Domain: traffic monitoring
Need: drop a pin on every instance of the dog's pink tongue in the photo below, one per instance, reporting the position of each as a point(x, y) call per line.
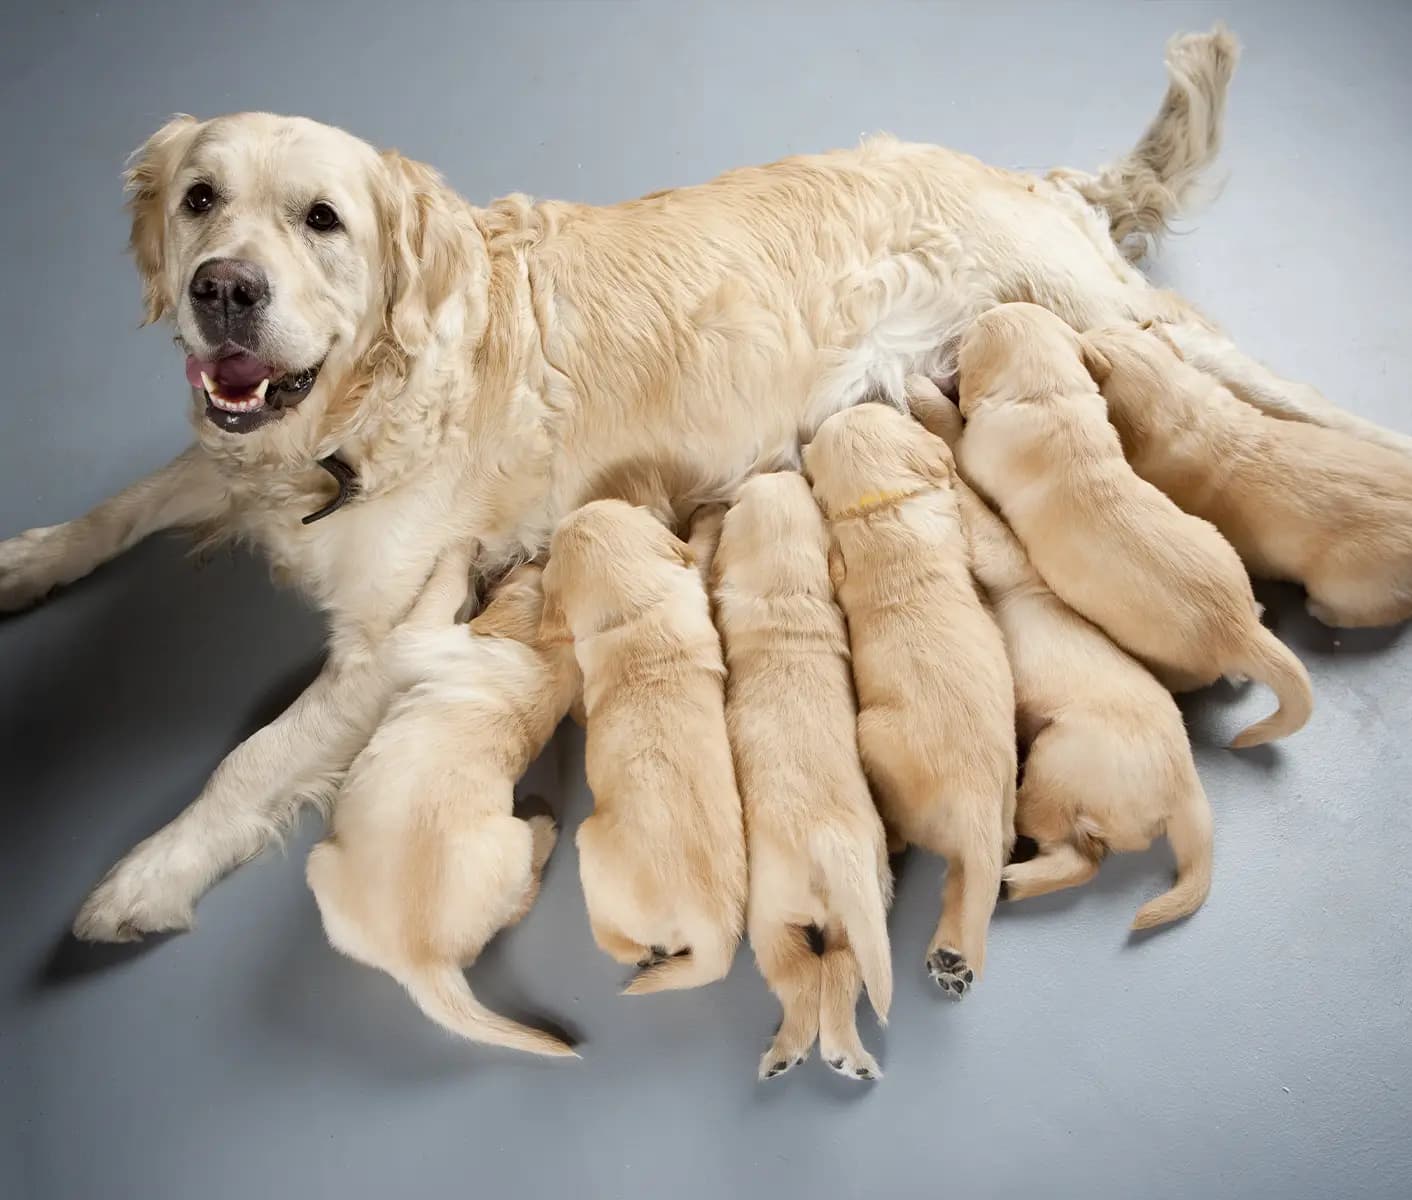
point(235, 375)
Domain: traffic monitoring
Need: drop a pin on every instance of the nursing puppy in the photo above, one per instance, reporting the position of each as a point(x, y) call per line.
point(818, 857)
point(1298, 502)
point(936, 705)
point(425, 861)
point(1109, 765)
point(662, 858)
point(1161, 583)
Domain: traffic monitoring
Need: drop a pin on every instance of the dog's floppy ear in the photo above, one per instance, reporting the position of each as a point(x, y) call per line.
point(149, 173)
point(427, 234)
point(684, 553)
point(1098, 365)
point(929, 456)
point(553, 624)
point(838, 571)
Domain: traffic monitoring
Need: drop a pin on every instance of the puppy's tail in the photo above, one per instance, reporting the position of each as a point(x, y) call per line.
point(1271, 662)
point(1148, 186)
point(441, 991)
point(860, 896)
point(1189, 833)
point(708, 960)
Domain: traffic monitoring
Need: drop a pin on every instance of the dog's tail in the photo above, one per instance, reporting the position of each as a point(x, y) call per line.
point(1189, 834)
point(860, 898)
point(1148, 186)
point(708, 960)
point(441, 991)
point(1271, 662)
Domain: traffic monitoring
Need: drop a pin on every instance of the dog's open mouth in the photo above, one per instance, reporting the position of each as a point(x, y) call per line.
point(243, 392)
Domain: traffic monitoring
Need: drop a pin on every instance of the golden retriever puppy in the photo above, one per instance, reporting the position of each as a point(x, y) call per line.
point(1298, 502)
point(936, 705)
point(818, 857)
point(662, 858)
point(1161, 583)
point(425, 861)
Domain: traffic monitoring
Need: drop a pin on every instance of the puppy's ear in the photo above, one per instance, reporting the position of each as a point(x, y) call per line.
point(1096, 362)
point(930, 457)
point(684, 553)
point(427, 237)
point(838, 571)
point(553, 624)
point(148, 175)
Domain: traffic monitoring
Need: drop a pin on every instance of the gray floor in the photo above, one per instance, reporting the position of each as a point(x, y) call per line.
point(1262, 1049)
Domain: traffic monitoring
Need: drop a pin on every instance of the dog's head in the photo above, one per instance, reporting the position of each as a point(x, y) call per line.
point(610, 561)
point(1023, 352)
point(774, 541)
point(304, 271)
point(871, 456)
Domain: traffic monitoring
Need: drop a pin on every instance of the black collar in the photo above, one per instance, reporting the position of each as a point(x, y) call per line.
point(347, 481)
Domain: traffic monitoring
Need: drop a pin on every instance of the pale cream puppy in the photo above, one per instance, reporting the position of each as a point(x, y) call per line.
point(662, 858)
point(425, 861)
point(1161, 583)
point(1300, 502)
point(1109, 764)
point(818, 857)
point(936, 705)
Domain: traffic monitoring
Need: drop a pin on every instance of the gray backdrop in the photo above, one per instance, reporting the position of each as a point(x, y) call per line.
point(1261, 1049)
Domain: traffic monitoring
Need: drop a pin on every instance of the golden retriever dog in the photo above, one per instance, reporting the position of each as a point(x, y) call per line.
point(1108, 763)
point(1317, 506)
point(425, 861)
point(818, 857)
point(1164, 585)
point(936, 704)
point(378, 370)
point(662, 858)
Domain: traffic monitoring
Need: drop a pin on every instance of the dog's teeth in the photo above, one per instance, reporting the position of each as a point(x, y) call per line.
point(209, 384)
point(262, 389)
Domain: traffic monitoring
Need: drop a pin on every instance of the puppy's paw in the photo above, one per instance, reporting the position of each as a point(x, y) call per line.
point(776, 1062)
point(30, 567)
point(950, 973)
point(857, 1064)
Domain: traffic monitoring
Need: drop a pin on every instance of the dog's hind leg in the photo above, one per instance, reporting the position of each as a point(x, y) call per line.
point(1058, 865)
point(545, 833)
point(840, 985)
point(792, 970)
point(974, 860)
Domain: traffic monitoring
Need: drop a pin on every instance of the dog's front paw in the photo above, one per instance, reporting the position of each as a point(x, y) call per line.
point(28, 567)
point(137, 897)
point(949, 972)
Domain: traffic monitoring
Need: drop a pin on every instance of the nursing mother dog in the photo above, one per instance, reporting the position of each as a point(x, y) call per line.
point(378, 370)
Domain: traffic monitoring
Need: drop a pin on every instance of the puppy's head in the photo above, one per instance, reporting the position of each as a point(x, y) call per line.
point(1130, 365)
point(515, 608)
point(609, 562)
point(871, 456)
point(1020, 352)
point(774, 541)
point(303, 270)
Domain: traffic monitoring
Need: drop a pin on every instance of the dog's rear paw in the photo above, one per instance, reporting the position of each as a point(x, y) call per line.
point(859, 1065)
point(776, 1063)
point(949, 972)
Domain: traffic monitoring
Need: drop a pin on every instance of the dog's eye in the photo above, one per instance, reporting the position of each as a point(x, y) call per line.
point(200, 197)
point(321, 217)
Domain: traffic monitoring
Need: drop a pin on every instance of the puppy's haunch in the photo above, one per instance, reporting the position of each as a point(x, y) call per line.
point(816, 847)
point(1163, 584)
point(1299, 502)
point(936, 705)
point(425, 862)
point(662, 858)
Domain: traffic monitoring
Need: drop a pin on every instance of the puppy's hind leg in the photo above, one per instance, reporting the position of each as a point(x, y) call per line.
point(545, 833)
point(1058, 865)
point(957, 953)
point(840, 985)
point(791, 969)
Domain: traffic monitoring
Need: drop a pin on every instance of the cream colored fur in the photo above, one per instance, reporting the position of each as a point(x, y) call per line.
point(818, 857)
point(662, 858)
point(425, 861)
point(1297, 502)
point(936, 704)
point(486, 366)
point(1162, 584)
point(1108, 765)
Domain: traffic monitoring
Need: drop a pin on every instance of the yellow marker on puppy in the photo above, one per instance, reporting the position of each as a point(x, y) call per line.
point(1299, 502)
point(662, 858)
point(817, 852)
point(936, 706)
point(425, 862)
point(1163, 584)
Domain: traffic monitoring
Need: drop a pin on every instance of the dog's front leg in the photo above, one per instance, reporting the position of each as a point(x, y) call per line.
point(249, 801)
point(187, 491)
point(1212, 353)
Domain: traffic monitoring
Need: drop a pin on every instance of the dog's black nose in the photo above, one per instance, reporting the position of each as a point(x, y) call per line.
point(225, 294)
